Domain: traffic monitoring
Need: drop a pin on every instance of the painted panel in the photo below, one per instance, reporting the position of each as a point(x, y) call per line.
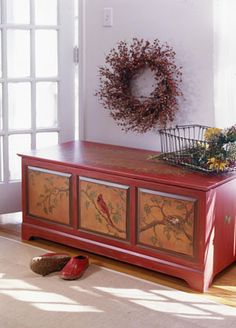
point(166, 221)
point(103, 207)
point(49, 195)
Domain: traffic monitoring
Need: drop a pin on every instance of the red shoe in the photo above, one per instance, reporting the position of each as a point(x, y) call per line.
point(48, 263)
point(75, 268)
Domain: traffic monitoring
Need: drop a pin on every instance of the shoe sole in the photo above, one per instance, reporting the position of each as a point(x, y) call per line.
point(46, 265)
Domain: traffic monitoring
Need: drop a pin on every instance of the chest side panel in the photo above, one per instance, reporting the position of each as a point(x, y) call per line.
point(166, 221)
point(48, 195)
point(103, 207)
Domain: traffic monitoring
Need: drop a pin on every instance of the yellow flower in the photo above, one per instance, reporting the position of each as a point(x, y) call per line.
point(212, 133)
point(217, 164)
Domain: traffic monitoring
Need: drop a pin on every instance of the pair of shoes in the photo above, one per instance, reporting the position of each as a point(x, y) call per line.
point(49, 262)
point(71, 267)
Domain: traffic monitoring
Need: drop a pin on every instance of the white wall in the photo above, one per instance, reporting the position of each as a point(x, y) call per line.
point(224, 62)
point(186, 25)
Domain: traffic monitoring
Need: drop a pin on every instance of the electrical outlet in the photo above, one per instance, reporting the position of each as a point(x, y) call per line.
point(107, 17)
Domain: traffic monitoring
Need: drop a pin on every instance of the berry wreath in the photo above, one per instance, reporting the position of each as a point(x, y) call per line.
point(123, 64)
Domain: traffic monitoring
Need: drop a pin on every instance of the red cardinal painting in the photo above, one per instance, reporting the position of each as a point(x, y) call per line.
point(104, 208)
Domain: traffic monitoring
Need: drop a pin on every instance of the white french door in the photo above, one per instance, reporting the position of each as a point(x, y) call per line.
point(37, 74)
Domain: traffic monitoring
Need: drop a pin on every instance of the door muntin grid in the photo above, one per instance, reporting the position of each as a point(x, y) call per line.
point(33, 34)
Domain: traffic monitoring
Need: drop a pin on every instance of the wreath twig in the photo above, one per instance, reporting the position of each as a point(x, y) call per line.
point(124, 64)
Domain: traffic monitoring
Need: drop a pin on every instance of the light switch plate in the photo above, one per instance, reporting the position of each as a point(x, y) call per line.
point(107, 17)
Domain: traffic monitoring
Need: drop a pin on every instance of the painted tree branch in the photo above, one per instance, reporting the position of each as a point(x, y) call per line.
point(174, 223)
point(48, 202)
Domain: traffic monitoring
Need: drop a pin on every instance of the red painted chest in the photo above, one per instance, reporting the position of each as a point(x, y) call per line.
point(114, 201)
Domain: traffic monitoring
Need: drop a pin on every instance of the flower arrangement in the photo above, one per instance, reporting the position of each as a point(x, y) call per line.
point(199, 147)
point(220, 153)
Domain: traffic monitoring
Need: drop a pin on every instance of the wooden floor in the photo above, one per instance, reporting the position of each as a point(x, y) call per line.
point(223, 289)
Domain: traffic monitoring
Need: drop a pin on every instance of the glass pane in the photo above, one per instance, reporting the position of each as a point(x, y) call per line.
point(1, 106)
point(46, 139)
point(18, 143)
point(0, 52)
point(46, 12)
point(18, 11)
point(19, 104)
point(1, 159)
point(76, 26)
point(18, 53)
point(46, 104)
point(46, 53)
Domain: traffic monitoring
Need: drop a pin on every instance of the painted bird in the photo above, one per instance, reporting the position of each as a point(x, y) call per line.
point(104, 208)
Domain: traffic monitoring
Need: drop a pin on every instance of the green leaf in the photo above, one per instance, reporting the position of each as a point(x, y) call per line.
point(168, 236)
point(147, 209)
point(180, 207)
point(153, 240)
point(116, 217)
point(87, 204)
point(98, 218)
point(92, 194)
point(156, 200)
point(167, 202)
point(109, 205)
point(88, 186)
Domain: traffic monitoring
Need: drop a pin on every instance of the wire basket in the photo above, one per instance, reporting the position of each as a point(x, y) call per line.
point(185, 145)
